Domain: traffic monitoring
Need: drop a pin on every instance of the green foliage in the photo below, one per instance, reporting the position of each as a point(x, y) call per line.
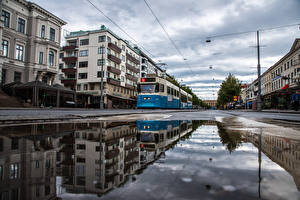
point(195, 99)
point(230, 87)
point(231, 140)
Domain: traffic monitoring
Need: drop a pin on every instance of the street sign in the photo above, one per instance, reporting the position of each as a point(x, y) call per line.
point(235, 98)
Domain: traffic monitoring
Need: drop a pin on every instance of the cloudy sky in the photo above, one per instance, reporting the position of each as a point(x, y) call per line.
point(203, 66)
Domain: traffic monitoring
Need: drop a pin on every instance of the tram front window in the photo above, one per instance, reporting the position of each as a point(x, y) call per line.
point(147, 88)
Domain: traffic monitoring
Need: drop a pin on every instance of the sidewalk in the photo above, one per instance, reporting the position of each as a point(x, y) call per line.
point(273, 111)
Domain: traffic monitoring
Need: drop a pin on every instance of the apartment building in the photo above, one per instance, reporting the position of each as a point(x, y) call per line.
point(280, 81)
point(148, 66)
point(99, 157)
point(88, 55)
point(30, 42)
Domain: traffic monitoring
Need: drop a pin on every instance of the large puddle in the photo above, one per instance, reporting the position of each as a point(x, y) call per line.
point(146, 160)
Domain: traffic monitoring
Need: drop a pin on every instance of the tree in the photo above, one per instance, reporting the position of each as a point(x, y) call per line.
point(230, 87)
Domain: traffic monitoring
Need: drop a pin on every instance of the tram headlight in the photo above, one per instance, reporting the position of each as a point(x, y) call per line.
point(145, 98)
point(148, 98)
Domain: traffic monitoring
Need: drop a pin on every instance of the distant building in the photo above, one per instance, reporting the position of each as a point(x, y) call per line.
point(30, 42)
point(211, 103)
point(82, 59)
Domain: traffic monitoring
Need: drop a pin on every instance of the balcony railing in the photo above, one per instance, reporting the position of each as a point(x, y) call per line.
point(132, 59)
point(112, 153)
point(68, 80)
point(70, 47)
point(132, 68)
point(113, 81)
point(69, 59)
point(114, 70)
point(69, 70)
point(130, 77)
point(114, 47)
point(129, 86)
point(114, 58)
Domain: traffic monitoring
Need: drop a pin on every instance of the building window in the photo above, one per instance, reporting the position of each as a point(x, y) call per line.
point(1, 172)
point(14, 171)
point(41, 58)
point(19, 52)
point(17, 76)
point(5, 48)
point(123, 47)
point(78, 87)
point(82, 76)
point(51, 58)
point(43, 31)
point(61, 55)
point(37, 164)
point(101, 50)
point(37, 190)
point(85, 87)
point(83, 53)
point(6, 16)
point(108, 39)
point(123, 58)
point(84, 42)
point(21, 25)
point(100, 62)
point(83, 64)
point(99, 74)
point(101, 38)
point(52, 34)
point(61, 65)
point(92, 86)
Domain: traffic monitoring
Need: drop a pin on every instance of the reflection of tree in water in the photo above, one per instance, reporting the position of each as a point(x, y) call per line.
point(232, 140)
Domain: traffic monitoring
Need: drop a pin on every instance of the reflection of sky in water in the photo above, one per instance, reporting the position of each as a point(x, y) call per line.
point(202, 168)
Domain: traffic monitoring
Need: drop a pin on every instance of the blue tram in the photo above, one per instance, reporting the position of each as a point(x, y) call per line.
point(157, 92)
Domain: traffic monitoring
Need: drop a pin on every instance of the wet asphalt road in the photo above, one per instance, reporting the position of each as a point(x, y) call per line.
point(173, 114)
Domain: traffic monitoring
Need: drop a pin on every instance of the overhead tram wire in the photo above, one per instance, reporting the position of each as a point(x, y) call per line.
point(113, 22)
point(252, 31)
point(167, 34)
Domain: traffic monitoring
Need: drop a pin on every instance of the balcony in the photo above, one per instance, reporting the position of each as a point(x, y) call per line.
point(132, 59)
point(69, 48)
point(69, 59)
point(113, 81)
point(114, 47)
point(114, 70)
point(68, 80)
point(114, 58)
point(69, 70)
point(130, 77)
point(132, 68)
point(112, 153)
point(129, 86)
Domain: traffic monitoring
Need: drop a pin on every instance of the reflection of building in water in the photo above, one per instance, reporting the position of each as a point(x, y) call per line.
point(157, 136)
point(28, 162)
point(90, 167)
point(284, 151)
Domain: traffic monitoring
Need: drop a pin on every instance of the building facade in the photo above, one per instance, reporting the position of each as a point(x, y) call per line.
point(281, 80)
point(88, 55)
point(30, 42)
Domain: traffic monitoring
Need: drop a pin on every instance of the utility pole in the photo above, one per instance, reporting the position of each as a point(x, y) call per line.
point(101, 83)
point(258, 100)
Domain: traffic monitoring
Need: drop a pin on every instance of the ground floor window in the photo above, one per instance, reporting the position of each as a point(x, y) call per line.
point(17, 76)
